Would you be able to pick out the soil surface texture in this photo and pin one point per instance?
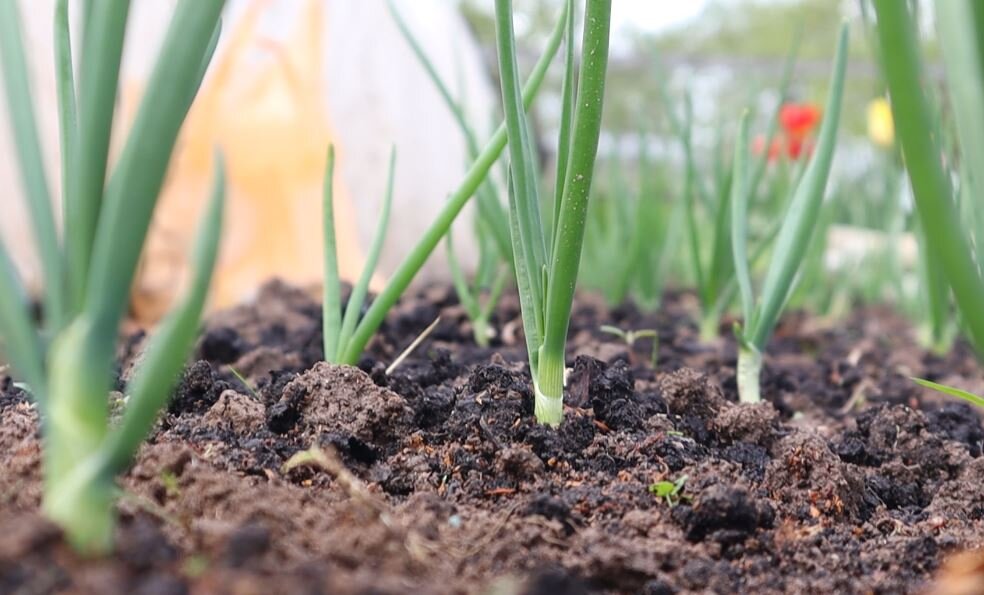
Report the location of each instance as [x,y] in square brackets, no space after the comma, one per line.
[274,472]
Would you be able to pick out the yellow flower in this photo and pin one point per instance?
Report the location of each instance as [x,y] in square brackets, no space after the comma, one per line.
[881,129]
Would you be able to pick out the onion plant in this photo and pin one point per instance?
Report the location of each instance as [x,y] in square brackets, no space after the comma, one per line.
[347,348]
[931,307]
[479,299]
[338,329]
[835,277]
[631,234]
[491,224]
[950,218]
[792,242]
[493,215]
[67,358]
[709,237]
[547,257]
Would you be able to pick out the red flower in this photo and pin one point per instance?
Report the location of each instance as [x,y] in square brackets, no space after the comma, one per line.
[799,119]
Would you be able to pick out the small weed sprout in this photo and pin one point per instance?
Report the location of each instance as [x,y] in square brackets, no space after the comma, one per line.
[670,491]
[630,338]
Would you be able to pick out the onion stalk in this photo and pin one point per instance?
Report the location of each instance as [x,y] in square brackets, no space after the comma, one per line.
[793,240]
[67,361]
[547,257]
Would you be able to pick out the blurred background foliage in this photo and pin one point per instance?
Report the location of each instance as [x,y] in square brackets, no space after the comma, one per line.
[728,53]
[725,56]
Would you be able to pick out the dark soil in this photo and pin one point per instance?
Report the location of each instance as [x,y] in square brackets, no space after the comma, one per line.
[437,480]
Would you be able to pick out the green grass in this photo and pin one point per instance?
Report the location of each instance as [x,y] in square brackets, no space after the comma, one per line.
[670,491]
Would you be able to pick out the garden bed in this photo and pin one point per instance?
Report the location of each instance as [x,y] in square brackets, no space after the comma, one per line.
[436,479]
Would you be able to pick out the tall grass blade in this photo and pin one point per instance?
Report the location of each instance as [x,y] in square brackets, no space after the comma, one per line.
[529,305]
[68,120]
[331,310]
[99,69]
[796,231]
[952,391]
[722,262]
[936,292]
[213,44]
[465,296]
[489,206]
[770,134]
[960,34]
[20,342]
[133,193]
[567,97]
[739,221]
[693,234]
[938,212]
[524,193]
[361,289]
[585,134]
[24,125]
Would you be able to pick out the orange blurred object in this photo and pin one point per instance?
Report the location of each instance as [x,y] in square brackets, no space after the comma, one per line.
[268,118]
[799,119]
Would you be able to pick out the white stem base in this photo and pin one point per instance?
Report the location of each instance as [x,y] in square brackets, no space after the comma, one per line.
[749,370]
[548,410]
[84,511]
[709,328]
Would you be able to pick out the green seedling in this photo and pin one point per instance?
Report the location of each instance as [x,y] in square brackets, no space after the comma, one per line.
[172,487]
[670,491]
[791,244]
[479,302]
[547,257]
[338,329]
[195,566]
[67,360]
[345,344]
[630,338]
